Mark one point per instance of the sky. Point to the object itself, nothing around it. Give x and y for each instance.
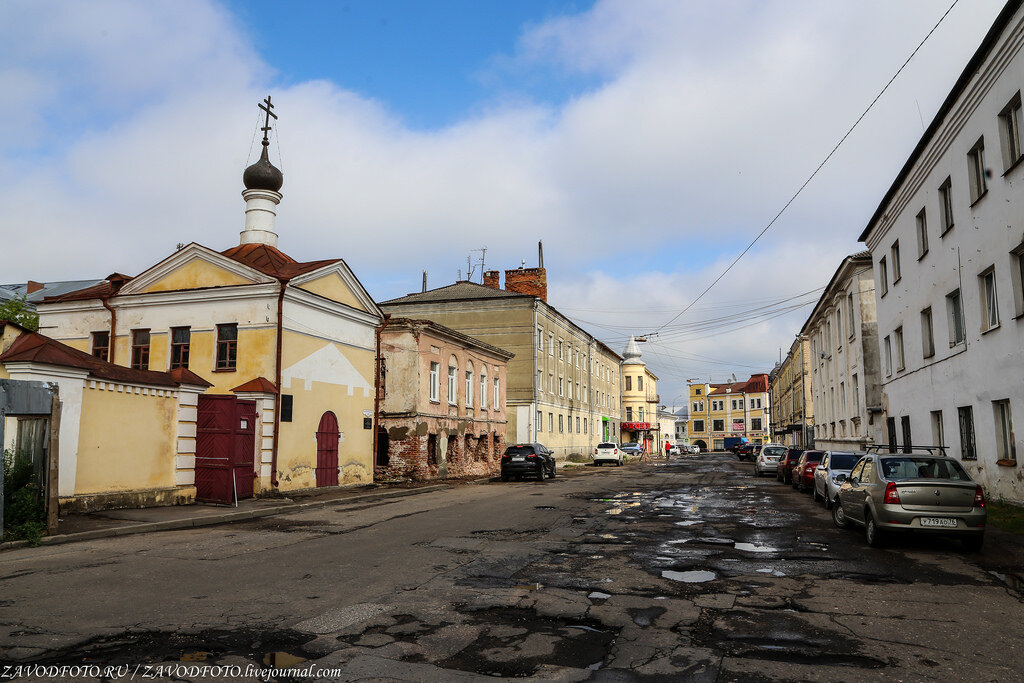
(646, 142)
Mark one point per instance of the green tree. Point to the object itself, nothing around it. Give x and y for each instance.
(17, 310)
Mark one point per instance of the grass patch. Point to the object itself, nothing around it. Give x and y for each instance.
(1006, 516)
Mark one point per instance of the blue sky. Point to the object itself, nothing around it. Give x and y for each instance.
(644, 141)
(429, 62)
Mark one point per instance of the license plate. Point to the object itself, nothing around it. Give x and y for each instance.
(518, 458)
(945, 522)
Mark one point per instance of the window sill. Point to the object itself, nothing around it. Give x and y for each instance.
(993, 327)
(953, 345)
(1012, 166)
(946, 231)
(1019, 316)
(897, 280)
(436, 403)
(980, 197)
(922, 255)
(1006, 463)
(225, 370)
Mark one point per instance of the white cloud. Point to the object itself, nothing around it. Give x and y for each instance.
(127, 127)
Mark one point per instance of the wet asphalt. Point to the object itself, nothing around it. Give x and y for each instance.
(692, 569)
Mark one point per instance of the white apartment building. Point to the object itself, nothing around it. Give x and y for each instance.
(947, 245)
(843, 336)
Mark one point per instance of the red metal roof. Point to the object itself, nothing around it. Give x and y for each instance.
(272, 261)
(260, 385)
(37, 348)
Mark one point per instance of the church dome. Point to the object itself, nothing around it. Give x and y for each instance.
(263, 175)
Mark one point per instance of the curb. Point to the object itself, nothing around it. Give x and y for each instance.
(222, 518)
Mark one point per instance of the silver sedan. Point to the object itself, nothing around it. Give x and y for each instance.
(835, 466)
(911, 492)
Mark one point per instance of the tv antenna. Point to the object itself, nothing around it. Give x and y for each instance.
(471, 266)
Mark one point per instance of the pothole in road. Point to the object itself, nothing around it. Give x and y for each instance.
(517, 642)
(151, 647)
(779, 637)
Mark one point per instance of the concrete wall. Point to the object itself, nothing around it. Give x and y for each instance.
(987, 233)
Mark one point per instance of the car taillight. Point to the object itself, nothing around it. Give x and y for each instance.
(534, 456)
(979, 497)
(892, 496)
(595, 451)
(615, 451)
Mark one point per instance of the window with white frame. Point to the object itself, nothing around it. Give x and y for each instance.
(976, 170)
(469, 388)
(561, 423)
(435, 381)
(897, 270)
(901, 359)
(927, 333)
(551, 383)
(561, 386)
(855, 394)
(551, 422)
(946, 206)
(1009, 132)
(883, 276)
(483, 388)
(955, 314)
(551, 344)
(1006, 446)
(540, 421)
(938, 430)
(453, 384)
(640, 383)
(560, 356)
(922, 234)
(497, 394)
(989, 302)
(849, 316)
(887, 346)
(1017, 275)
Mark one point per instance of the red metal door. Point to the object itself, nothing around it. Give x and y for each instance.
(225, 448)
(245, 447)
(327, 451)
(214, 448)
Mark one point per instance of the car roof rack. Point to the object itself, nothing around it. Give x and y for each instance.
(886, 449)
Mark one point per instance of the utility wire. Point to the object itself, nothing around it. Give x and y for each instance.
(811, 177)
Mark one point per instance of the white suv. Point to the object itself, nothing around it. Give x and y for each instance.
(607, 452)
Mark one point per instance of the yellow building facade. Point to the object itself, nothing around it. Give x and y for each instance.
(724, 414)
(640, 399)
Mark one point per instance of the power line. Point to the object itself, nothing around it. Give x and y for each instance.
(811, 177)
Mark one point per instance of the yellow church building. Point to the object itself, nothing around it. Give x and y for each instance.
(288, 348)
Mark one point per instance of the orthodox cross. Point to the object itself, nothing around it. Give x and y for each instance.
(267, 106)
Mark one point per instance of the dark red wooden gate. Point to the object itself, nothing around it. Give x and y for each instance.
(327, 451)
(225, 448)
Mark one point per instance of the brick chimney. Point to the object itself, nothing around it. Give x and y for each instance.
(492, 278)
(33, 287)
(527, 281)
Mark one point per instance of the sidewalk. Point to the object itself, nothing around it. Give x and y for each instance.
(108, 523)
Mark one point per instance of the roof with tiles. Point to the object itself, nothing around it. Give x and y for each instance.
(37, 348)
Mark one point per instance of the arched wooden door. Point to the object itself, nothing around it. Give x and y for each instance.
(327, 451)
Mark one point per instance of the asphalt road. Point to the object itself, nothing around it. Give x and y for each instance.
(691, 570)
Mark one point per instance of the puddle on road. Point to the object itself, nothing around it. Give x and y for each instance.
(688, 522)
(598, 595)
(753, 548)
(773, 572)
(692, 576)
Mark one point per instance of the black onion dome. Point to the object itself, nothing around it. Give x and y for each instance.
(263, 175)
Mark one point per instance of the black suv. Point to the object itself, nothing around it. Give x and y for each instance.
(531, 459)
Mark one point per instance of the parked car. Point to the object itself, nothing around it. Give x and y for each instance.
(803, 472)
(673, 449)
(784, 473)
(767, 459)
(695, 450)
(745, 451)
(912, 492)
(834, 467)
(631, 448)
(607, 452)
(527, 459)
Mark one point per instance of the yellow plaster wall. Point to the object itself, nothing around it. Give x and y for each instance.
(296, 457)
(334, 288)
(194, 274)
(126, 441)
(257, 350)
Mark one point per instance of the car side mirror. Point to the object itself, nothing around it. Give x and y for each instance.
(841, 478)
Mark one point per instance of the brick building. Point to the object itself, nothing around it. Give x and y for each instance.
(442, 402)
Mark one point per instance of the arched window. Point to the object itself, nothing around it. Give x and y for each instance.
(483, 387)
(469, 384)
(453, 385)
